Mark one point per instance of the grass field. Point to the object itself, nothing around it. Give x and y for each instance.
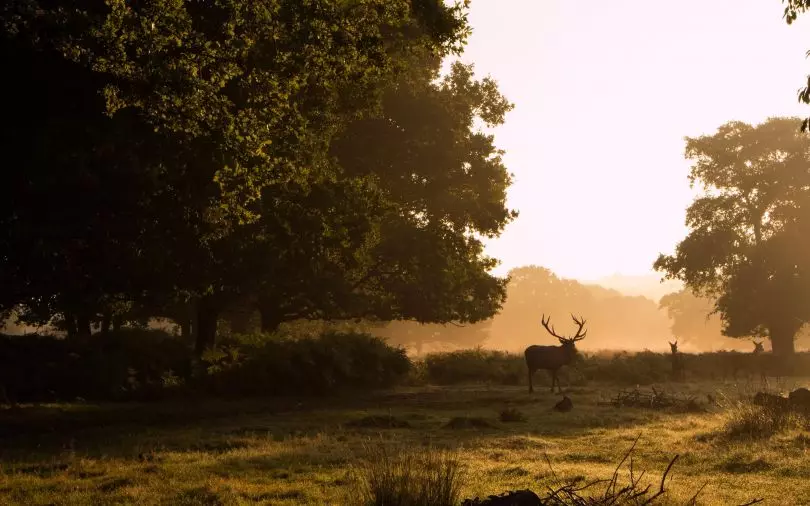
(309, 451)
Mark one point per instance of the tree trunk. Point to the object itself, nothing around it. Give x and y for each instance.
(185, 327)
(783, 344)
(70, 325)
(83, 325)
(784, 347)
(271, 320)
(106, 322)
(117, 322)
(206, 327)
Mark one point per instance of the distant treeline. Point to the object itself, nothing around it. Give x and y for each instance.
(616, 321)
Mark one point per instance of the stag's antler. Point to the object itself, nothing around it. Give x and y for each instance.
(581, 323)
(550, 329)
(580, 335)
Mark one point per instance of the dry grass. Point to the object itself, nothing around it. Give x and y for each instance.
(747, 421)
(306, 451)
(404, 477)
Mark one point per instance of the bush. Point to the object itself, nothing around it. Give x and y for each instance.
(642, 368)
(127, 364)
(334, 361)
(474, 365)
(625, 368)
(408, 478)
(146, 364)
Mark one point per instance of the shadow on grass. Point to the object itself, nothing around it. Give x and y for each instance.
(218, 426)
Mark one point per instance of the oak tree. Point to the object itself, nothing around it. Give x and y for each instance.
(746, 246)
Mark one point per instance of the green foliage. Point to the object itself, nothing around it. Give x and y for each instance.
(792, 11)
(409, 478)
(747, 246)
(300, 158)
(130, 364)
(282, 366)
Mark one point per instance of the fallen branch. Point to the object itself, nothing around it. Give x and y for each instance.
(573, 493)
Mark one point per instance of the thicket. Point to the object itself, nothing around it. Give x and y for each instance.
(149, 364)
(625, 368)
(138, 364)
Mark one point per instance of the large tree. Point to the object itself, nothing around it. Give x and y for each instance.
(393, 235)
(298, 155)
(748, 246)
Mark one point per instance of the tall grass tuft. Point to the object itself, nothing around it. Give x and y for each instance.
(402, 477)
(747, 421)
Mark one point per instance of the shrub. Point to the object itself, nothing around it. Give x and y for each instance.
(642, 368)
(408, 478)
(475, 365)
(128, 364)
(625, 368)
(334, 361)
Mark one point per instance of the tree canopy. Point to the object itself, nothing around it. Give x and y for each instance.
(304, 158)
(747, 246)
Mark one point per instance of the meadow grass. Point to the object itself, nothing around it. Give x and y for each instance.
(317, 450)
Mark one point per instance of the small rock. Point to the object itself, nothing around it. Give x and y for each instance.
(564, 405)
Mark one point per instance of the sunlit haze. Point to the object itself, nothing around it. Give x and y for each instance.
(604, 94)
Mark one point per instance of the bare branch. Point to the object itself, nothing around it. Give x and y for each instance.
(754, 501)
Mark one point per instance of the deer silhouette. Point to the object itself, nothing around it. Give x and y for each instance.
(552, 358)
(677, 362)
(759, 361)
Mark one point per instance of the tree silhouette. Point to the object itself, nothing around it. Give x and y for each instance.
(748, 244)
(692, 318)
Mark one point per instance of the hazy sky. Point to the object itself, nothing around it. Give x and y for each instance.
(604, 94)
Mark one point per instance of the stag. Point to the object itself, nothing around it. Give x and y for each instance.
(552, 358)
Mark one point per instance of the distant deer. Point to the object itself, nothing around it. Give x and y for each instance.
(747, 363)
(551, 358)
(677, 362)
(759, 361)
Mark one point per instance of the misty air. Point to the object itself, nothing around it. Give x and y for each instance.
(405, 253)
